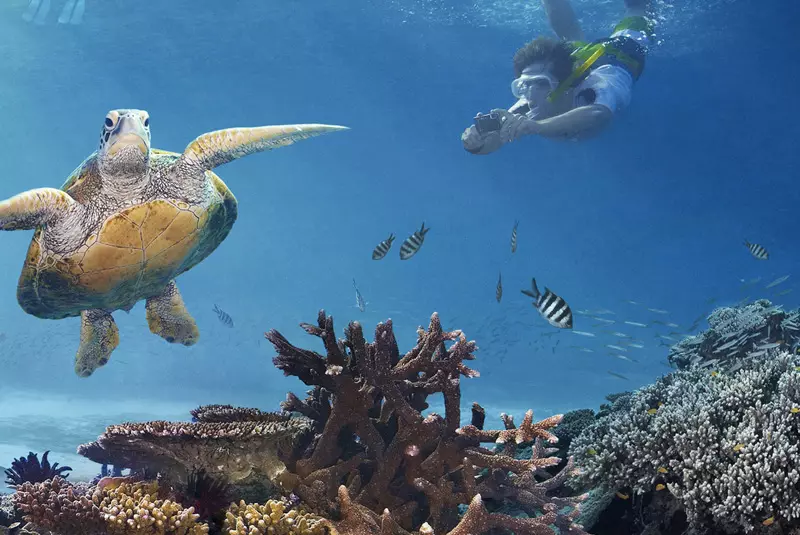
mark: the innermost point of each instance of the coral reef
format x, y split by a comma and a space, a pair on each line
30, 470
276, 517
380, 465
737, 334
723, 445
242, 452
118, 507
229, 413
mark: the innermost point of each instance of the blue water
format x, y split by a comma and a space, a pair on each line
655, 210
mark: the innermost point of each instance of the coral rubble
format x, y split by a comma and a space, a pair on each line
738, 334
724, 445
381, 465
30, 469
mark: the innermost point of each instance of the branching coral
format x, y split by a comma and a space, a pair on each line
29, 469
274, 518
725, 445
241, 452
738, 334
405, 470
117, 508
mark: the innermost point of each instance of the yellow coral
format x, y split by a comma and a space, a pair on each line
272, 518
135, 509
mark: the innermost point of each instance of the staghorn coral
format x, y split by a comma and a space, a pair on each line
276, 517
117, 508
406, 470
29, 469
725, 445
244, 453
738, 334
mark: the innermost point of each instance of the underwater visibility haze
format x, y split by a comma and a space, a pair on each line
636, 259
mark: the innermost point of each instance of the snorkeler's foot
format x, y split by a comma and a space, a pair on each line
99, 337
168, 318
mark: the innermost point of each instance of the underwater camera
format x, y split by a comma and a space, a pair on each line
488, 122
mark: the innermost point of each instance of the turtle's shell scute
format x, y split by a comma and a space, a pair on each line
132, 256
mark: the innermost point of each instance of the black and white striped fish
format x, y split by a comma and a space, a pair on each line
223, 316
757, 250
382, 248
498, 293
514, 237
552, 307
360, 303
413, 243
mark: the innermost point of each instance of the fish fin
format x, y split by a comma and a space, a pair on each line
33, 7
535, 288
77, 15
66, 13
41, 17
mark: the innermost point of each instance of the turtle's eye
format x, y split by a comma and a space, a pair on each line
147, 122
109, 122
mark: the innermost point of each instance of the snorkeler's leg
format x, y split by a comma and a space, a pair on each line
99, 337
168, 318
563, 20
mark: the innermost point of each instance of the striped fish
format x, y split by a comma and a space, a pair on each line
552, 307
223, 316
413, 243
514, 237
382, 248
756, 250
498, 293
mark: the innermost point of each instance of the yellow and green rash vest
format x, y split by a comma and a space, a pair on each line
626, 48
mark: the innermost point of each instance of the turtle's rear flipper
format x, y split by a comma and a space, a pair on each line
168, 318
99, 337
33, 208
222, 146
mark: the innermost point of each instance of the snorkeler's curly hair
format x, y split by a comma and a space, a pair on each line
545, 49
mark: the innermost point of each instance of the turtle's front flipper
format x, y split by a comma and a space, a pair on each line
33, 208
168, 318
99, 337
222, 146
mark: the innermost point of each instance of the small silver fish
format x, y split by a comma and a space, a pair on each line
658, 311
631, 302
603, 320
584, 333
757, 250
412, 244
223, 316
622, 357
769, 346
616, 348
514, 237
637, 346
621, 335
360, 303
784, 292
776, 282
673, 325
382, 248
665, 337
498, 293
618, 375
635, 324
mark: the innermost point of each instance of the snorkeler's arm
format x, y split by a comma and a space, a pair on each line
578, 123
563, 20
489, 142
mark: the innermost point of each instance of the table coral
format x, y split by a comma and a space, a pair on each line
380, 465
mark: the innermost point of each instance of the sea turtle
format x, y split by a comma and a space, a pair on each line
128, 221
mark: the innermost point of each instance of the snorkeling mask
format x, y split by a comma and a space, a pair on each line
533, 87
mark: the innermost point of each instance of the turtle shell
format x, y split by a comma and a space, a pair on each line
133, 254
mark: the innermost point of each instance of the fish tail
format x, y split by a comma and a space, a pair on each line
390, 239
422, 229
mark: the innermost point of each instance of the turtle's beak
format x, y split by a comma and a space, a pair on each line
129, 132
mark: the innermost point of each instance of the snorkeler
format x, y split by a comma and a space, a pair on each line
72, 12
567, 89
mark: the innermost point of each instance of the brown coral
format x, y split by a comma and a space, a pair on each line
229, 413
405, 470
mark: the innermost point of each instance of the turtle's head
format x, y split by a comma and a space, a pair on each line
124, 143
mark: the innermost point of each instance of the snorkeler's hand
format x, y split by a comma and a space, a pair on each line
472, 139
